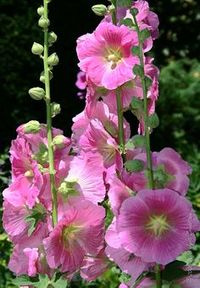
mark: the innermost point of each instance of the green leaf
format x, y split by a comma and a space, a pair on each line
25, 280
43, 281
134, 165
136, 50
137, 70
60, 283
174, 271
144, 34
127, 22
124, 3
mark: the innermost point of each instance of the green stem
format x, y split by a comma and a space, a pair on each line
49, 121
120, 123
147, 135
158, 276
146, 115
119, 101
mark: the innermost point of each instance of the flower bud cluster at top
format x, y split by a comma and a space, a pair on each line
55, 207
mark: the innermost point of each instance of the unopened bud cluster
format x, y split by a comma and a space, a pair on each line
38, 93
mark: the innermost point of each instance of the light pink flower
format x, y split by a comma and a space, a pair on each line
28, 256
152, 223
117, 193
169, 169
85, 178
94, 267
127, 261
105, 55
78, 233
97, 140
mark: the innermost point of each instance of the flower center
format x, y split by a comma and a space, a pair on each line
158, 225
69, 234
113, 56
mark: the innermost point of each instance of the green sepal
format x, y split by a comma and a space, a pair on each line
148, 82
138, 70
38, 213
153, 121
144, 34
139, 141
136, 50
174, 271
127, 22
137, 104
134, 165
124, 3
134, 11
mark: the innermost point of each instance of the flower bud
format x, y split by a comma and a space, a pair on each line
52, 38
32, 126
42, 77
153, 121
40, 11
134, 165
55, 109
59, 141
43, 22
99, 9
37, 93
37, 49
53, 60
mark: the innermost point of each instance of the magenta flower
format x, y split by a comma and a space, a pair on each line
128, 262
105, 55
157, 225
78, 233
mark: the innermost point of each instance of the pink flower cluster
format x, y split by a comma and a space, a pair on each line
149, 226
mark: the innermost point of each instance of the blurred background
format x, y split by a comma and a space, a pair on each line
176, 53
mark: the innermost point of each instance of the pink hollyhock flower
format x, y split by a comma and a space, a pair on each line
152, 223
117, 193
170, 171
94, 267
98, 110
78, 233
175, 167
86, 181
105, 55
97, 140
29, 254
81, 82
21, 192
37, 140
192, 280
126, 261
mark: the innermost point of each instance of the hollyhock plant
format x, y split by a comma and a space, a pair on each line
79, 232
150, 222
65, 191
105, 55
